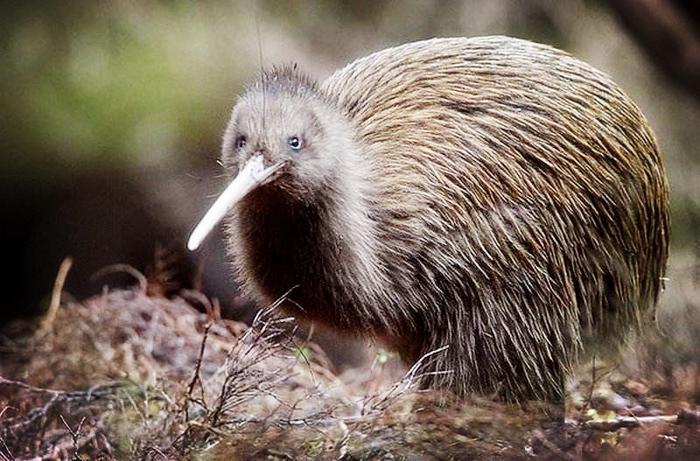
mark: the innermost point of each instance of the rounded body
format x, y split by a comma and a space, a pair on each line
502, 198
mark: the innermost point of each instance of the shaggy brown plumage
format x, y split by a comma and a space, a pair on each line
490, 194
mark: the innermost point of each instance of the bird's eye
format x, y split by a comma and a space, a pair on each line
294, 142
240, 142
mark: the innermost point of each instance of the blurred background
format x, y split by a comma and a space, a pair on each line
112, 114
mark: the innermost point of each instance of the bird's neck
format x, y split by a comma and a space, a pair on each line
321, 253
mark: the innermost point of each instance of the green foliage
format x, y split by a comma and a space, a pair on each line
116, 85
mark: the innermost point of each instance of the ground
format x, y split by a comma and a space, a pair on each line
131, 375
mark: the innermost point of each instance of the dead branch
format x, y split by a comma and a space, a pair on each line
75, 434
125, 268
611, 425
379, 402
687, 417
58, 284
195, 376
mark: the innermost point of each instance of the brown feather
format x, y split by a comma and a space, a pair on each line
490, 194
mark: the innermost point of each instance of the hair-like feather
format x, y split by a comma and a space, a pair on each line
490, 194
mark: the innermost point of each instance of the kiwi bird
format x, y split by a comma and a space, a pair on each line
492, 195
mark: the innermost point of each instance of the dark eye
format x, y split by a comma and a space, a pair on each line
294, 142
240, 142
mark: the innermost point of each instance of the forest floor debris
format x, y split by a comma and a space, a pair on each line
126, 375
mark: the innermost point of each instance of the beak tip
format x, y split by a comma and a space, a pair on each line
252, 175
194, 241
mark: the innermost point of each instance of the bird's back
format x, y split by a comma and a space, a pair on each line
507, 169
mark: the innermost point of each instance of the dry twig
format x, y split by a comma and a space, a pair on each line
55, 303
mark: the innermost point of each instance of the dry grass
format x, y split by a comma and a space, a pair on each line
128, 375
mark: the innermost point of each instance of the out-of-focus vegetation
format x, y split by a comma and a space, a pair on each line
91, 84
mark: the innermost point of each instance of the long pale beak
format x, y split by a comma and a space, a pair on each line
253, 174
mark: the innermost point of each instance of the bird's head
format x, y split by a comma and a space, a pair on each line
284, 136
